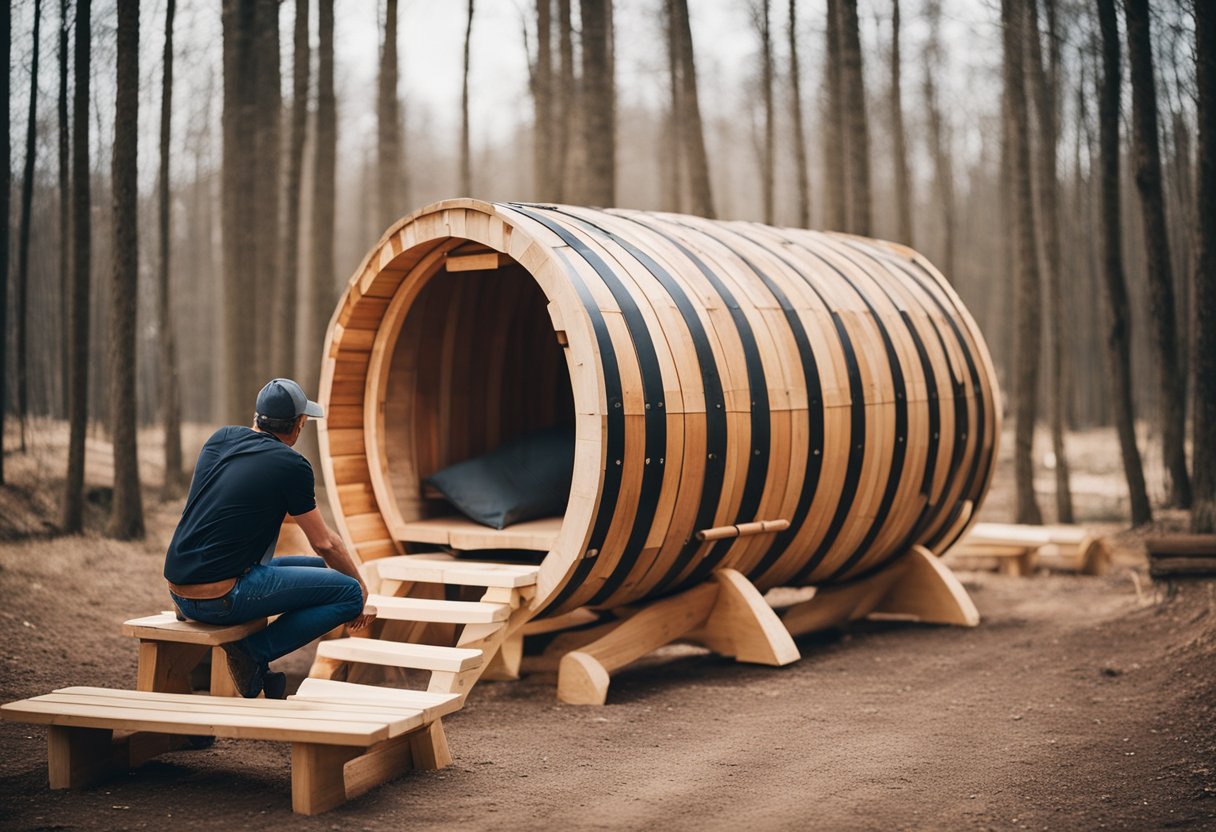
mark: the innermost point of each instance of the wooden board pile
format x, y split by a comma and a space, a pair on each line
1018, 550
1181, 555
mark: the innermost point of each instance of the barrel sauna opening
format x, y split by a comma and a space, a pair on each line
476, 364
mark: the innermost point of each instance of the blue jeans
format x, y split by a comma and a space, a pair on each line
310, 599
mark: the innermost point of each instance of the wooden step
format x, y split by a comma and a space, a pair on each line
348, 694
400, 654
445, 612
463, 534
445, 569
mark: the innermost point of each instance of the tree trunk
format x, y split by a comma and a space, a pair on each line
768, 153
673, 176
388, 122
1146, 154
801, 173
599, 103
1027, 307
239, 215
323, 288
127, 515
692, 136
65, 230
466, 161
1119, 330
903, 179
542, 103
835, 184
1044, 84
266, 117
170, 394
23, 239
566, 103
78, 329
943, 170
291, 285
1203, 518
6, 155
856, 121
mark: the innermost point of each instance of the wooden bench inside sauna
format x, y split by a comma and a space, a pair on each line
752, 407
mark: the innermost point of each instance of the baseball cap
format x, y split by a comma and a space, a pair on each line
283, 398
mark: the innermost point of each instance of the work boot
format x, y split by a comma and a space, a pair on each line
275, 685
247, 674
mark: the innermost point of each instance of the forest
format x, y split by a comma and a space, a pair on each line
189, 185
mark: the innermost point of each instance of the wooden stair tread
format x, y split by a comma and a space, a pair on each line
463, 534
447, 612
400, 654
164, 626
432, 705
445, 569
219, 716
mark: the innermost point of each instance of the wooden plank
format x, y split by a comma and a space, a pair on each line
426, 609
456, 262
318, 781
444, 569
165, 627
461, 533
1182, 545
78, 757
399, 654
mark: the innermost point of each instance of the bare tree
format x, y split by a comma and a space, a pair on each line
801, 174
6, 155
903, 179
78, 326
835, 184
65, 231
1203, 517
768, 153
388, 122
598, 102
23, 237
1146, 154
1027, 308
170, 392
1118, 337
290, 285
692, 137
127, 516
266, 103
466, 161
323, 184
1045, 83
541, 76
943, 170
857, 147
566, 101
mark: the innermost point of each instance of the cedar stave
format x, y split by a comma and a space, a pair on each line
684, 311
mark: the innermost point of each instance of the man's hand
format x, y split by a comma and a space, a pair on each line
364, 619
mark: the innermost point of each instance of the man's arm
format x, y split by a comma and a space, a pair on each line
328, 544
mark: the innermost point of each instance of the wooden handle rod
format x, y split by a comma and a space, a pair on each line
743, 529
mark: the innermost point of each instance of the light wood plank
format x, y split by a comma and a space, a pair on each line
449, 612
399, 654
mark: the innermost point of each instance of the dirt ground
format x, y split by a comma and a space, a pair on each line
1079, 702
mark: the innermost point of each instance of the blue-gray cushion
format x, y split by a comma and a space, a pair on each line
525, 478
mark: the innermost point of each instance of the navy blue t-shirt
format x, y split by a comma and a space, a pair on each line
244, 483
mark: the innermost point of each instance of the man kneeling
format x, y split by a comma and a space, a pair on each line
219, 565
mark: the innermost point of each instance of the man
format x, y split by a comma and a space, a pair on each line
219, 565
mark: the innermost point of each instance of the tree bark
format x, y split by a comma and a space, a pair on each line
466, 160
835, 198
170, 393
291, 284
943, 169
566, 102
78, 329
388, 123
65, 230
768, 154
673, 175
801, 172
543, 128
1146, 154
1044, 83
1119, 329
6, 155
599, 103
21, 330
322, 283
127, 516
1203, 516
266, 117
903, 179
1028, 306
860, 211
692, 135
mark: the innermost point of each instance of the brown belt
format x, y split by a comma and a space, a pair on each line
202, 592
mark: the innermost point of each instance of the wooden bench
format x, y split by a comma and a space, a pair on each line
345, 739
170, 649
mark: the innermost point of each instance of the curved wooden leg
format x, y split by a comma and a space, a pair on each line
743, 625
927, 590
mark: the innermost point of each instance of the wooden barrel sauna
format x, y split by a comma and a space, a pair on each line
717, 374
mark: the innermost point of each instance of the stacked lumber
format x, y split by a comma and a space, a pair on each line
1181, 555
1018, 550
